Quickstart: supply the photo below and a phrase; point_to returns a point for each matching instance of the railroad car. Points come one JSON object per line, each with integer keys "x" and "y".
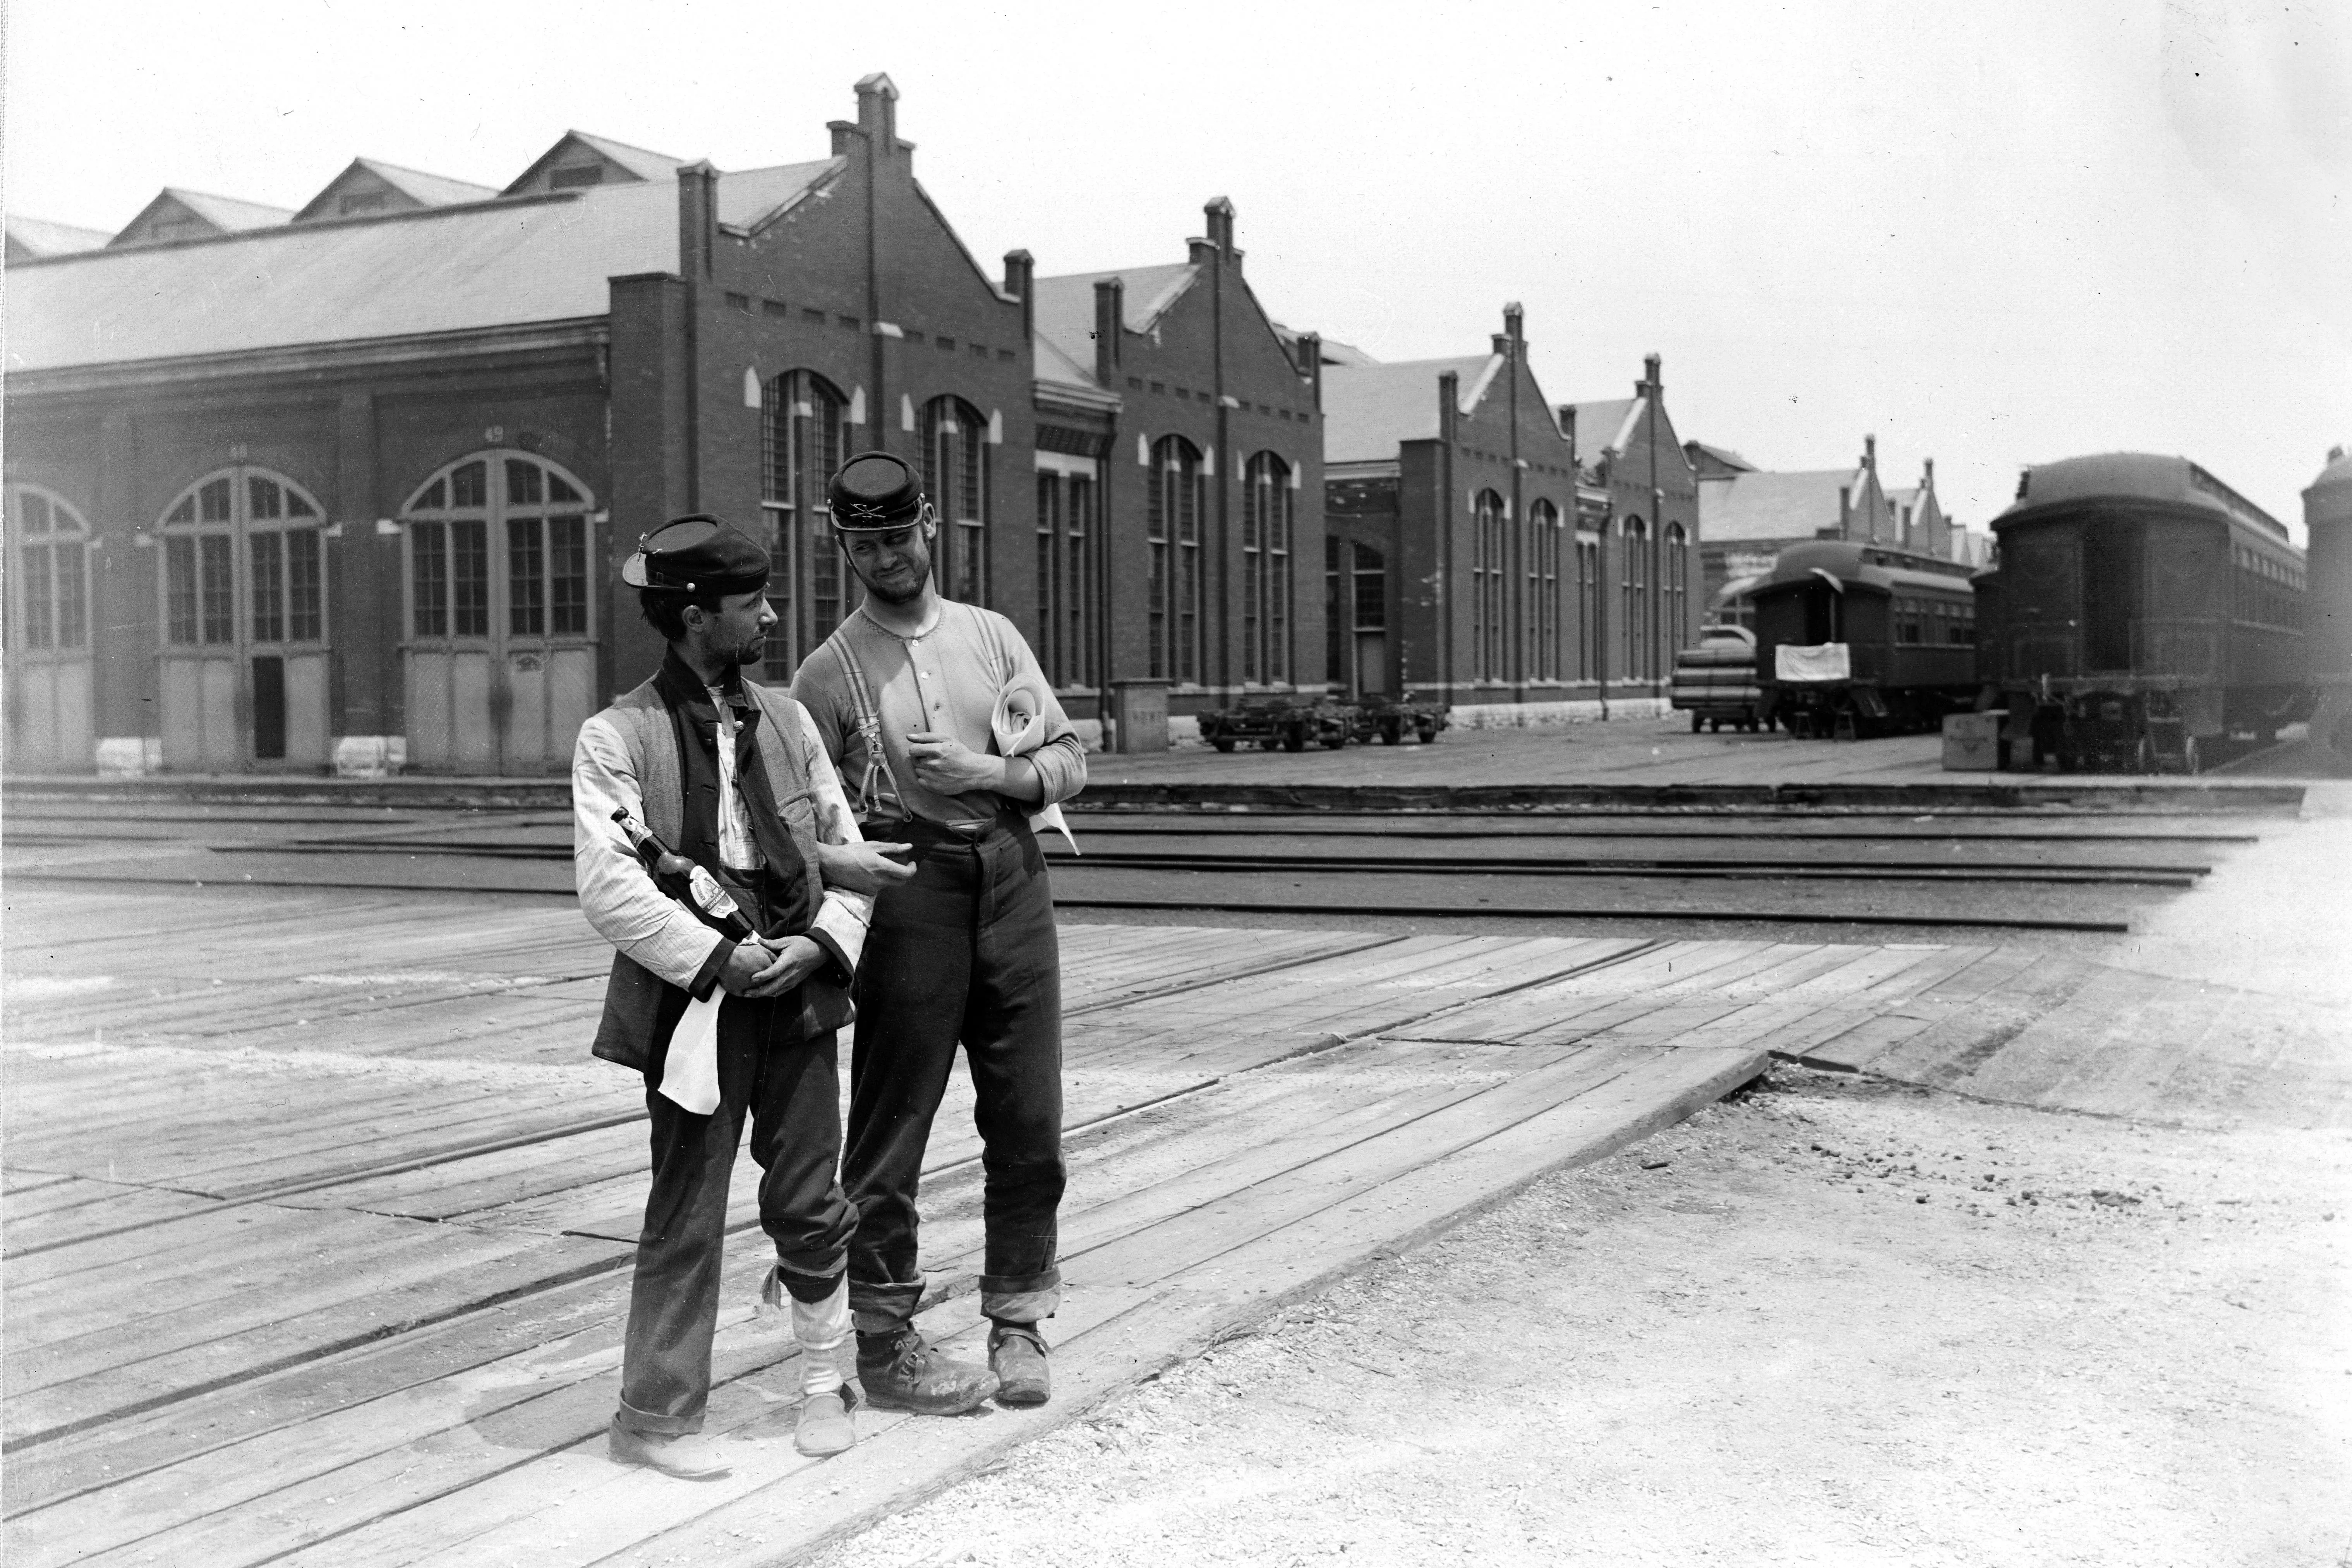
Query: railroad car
{"x": 1855, "y": 639}
{"x": 2141, "y": 615}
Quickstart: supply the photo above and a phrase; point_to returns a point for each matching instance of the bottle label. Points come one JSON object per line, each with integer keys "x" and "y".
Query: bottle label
{"x": 709, "y": 894}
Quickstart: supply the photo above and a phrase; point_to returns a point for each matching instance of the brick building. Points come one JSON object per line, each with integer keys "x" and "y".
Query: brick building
{"x": 1637, "y": 507}
{"x": 1470, "y": 558}
{"x": 348, "y": 484}
{"x": 1174, "y": 425}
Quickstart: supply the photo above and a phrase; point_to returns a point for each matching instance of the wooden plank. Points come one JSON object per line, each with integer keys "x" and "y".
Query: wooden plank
{"x": 802, "y": 1509}
{"x": 468, "y": 1271}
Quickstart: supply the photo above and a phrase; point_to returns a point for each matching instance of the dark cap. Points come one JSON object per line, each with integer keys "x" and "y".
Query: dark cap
{"x": 697, "y": 554}
{"x": 875, "y": 491}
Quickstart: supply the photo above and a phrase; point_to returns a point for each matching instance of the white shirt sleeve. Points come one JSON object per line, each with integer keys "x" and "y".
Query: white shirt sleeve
{"x": 842, "y": 915}
{"x": 616, "y": 892}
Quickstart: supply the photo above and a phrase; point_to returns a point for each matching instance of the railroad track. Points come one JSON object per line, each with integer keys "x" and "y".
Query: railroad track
{"x": 2064, "y": 870}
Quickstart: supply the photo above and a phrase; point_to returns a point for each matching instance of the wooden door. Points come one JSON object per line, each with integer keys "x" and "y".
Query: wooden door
{"x": 499, "y": 661}
{"x": 50, "y": 718}
{"x": 243, "y": 678}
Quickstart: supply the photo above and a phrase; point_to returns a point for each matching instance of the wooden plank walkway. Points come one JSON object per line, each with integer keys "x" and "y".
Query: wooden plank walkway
{"x": 318, "y": 1217}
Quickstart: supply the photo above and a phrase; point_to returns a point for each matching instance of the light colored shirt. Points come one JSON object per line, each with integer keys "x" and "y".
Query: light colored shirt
{"x": 947, "y": 679}
{"x": 739, "y": 847}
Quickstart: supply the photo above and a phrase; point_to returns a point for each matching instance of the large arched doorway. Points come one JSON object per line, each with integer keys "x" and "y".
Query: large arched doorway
{"x": 243, "y": 682}
{"x": 48, "y": 677}
{"x": 499, "y": 661}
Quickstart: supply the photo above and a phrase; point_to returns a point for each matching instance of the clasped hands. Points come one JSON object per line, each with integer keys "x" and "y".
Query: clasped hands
{"x": 754, "y": 969}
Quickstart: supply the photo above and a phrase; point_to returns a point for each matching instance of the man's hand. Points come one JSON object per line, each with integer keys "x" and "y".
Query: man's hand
{"x": 796, "y": 958}
{"x": 753, "y": 970}
{"x": 946, "y": 764}
{"x": 863, "y": 867}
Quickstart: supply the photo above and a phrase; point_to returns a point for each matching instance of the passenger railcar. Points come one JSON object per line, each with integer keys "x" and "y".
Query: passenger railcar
{"x": 2142, "y": 616}
{"x": 1856, "y": 639}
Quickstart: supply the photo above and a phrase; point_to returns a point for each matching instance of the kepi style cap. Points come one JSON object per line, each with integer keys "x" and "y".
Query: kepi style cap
{"x": 875, "y": 492}
{"x": 697, "y": 554}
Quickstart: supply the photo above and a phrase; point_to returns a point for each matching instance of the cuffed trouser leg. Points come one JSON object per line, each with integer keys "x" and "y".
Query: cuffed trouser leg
{"x": 966, "y": 950}
{"x": 789, "y": 1092}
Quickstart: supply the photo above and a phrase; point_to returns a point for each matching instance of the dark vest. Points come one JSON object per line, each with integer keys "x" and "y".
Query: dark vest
{"x": 640, "y": 1008}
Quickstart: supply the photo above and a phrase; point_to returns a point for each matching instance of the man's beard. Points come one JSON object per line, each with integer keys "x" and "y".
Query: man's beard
{"x": 905, "y": 593}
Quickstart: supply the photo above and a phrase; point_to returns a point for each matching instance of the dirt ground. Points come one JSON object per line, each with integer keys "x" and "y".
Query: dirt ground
{"x": 1827, "y": 1321}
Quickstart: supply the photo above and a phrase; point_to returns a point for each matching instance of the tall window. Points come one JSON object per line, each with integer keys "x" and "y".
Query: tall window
{"x": 1486, "y": 587}
{"x": 500, "y": 536}
{"x": 1266, "y": 522}
{"x": 1634, "y": 615}
{"x": 955, "y": 476}
{"x": 1543, "y": 591}
{"x": 1676, "y": 610}
{"x": 1588, "y": 606}
{"x": 283, "y": 572}
{"x": 48, "y": 546}
{"x": 1065, "y": 581}
{"x": 1172, "y": 530}
{"x": 802, "y": 439}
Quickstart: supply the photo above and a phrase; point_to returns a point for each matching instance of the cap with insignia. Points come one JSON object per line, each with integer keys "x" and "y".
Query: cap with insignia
{"x": 875, "y": 492}
{"x": 697, "y": 554}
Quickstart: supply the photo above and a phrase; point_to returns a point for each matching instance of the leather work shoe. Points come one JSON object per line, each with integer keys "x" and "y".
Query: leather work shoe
{"x": 905, "y": 1373}
{"x": 690, "y": 1455}
{"x": 1016, "y": 1354}
{"x": 825, "y": 1428}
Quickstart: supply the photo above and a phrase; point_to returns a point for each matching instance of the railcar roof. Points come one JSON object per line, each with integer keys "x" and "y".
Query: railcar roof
{"x": 2133, "y": 475}
{"x": 1852, "y": 562}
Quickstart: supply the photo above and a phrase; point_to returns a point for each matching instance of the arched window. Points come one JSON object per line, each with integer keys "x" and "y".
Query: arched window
{"x": 498, "y": 547}
{"x": 48, "y": 573}
{"x": 955, "y": 476}
{"x": 274, "y": 525}
{"x": 1633, "y": 616}
{"x": 1486, "y": 591}
{"x": 1543, "y": 591}
{"x": 1677, "y": 609}
{"x": 803, "y": 438}
{"x": 1266, "y": 521}
{"x": 1172, "y": 530}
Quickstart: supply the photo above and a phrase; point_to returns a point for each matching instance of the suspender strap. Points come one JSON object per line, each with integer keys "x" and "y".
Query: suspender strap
{"x": 870, "y": 729}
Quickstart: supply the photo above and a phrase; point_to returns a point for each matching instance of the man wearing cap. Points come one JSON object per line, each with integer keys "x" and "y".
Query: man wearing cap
{"x": 903, "y": 694}
{"x": 732, "y": 776}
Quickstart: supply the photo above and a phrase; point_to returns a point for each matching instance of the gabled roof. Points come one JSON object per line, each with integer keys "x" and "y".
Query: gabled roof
{"x": 750, "y": 198}
{"x": 217, "y": 215}
{"x": 1605, "y": 426}
{"x": 631, "y": 163}
{"x": 31, "y": 237}
{"x": 1368, "y": 409}
{"x": 1772, "y": 506}
{"x": 422, "y": 189}
{"x": 437, "y": 270}
{"x": 1065, "y": 304}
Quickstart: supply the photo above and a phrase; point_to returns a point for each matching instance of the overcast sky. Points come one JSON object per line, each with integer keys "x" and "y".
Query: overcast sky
{"x": 1992, "y": 234}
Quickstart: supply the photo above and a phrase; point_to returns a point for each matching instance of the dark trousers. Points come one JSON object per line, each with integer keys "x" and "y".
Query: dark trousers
{"x": 792, "y": 1091}
{"x": 965, "y": 952}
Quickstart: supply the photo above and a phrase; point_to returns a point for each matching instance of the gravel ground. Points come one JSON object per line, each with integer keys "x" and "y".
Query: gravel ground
{"x": 1831, "y": 1321}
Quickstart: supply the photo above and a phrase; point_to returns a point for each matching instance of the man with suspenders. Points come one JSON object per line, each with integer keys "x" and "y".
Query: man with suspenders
{"x": 962, "y": 949}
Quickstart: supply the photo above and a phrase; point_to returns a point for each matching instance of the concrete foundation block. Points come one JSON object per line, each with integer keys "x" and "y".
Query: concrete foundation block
{"x": 370, "y": 756}
{"x": 130, "y": 756}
